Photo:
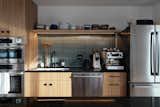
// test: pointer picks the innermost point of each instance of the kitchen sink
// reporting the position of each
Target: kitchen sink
(52, 69)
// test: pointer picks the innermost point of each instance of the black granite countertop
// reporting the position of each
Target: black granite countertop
(76, 69)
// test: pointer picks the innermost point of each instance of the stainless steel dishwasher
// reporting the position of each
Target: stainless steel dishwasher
(87, 84)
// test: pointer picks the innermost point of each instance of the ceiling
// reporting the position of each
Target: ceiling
(94, 2)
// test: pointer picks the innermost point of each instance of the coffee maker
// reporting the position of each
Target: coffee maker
(114, 60)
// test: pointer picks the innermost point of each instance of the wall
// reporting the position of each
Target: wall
(74, 51)
(113, 15)
(156, 12)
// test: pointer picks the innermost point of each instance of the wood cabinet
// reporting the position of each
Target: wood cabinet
(114, 84)
(44, 84)
(17, 16)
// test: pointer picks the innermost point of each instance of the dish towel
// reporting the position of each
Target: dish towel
(4, 83)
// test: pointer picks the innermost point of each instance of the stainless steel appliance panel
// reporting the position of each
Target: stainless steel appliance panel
(11, 41)
(142, 64)
(145, 90)
(11, 67)
(12, 54)
(158, 53)
(87, 84)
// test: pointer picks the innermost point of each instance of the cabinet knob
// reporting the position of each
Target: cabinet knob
(2, 31)
(8, 31)
(45, 84)
(50, 84)
(113, 76)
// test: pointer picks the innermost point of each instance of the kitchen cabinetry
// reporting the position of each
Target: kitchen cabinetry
(16, 16)
(55, 84)
(114, 84)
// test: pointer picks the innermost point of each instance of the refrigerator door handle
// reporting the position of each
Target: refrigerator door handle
(157, 71)
(142, 85)
(151, 54)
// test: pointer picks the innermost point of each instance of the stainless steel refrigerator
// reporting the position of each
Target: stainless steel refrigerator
(145, 61)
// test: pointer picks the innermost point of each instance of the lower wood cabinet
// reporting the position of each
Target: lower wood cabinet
(58, 84)
(114, 84)
(48, 84)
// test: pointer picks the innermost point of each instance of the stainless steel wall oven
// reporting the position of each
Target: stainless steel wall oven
(11, 66)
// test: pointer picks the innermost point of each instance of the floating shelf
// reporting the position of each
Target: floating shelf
(125, 33)
(75, 32)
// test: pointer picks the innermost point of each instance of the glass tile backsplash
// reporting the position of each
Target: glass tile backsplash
(70, 51)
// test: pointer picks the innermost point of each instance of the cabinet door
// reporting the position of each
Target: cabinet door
(4, 14)
(12, 17)
(48, 84)
(65, 88)
(16, 17)
(30, 85)
(54, 88)
(123, 84)
(42, 88)
(47, 88)
(65, 85)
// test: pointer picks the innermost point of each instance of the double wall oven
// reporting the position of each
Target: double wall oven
(11, 66)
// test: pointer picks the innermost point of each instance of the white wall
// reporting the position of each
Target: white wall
(156, 12)
(113, 15)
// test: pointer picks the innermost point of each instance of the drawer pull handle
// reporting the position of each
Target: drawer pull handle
(114, 84)
(8, 31)
(2, 31)
(45, 84)
(112, 76)
(50, 84)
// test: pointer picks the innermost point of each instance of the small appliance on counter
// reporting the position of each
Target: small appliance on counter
(114, 59)
(96, 60)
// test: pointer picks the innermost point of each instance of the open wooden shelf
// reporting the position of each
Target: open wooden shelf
(125, 33)
(75, 32)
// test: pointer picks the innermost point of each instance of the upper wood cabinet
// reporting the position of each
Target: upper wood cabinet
(17, 17)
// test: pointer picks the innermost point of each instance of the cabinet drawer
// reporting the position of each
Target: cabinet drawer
(114, 84)
(112, 77)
